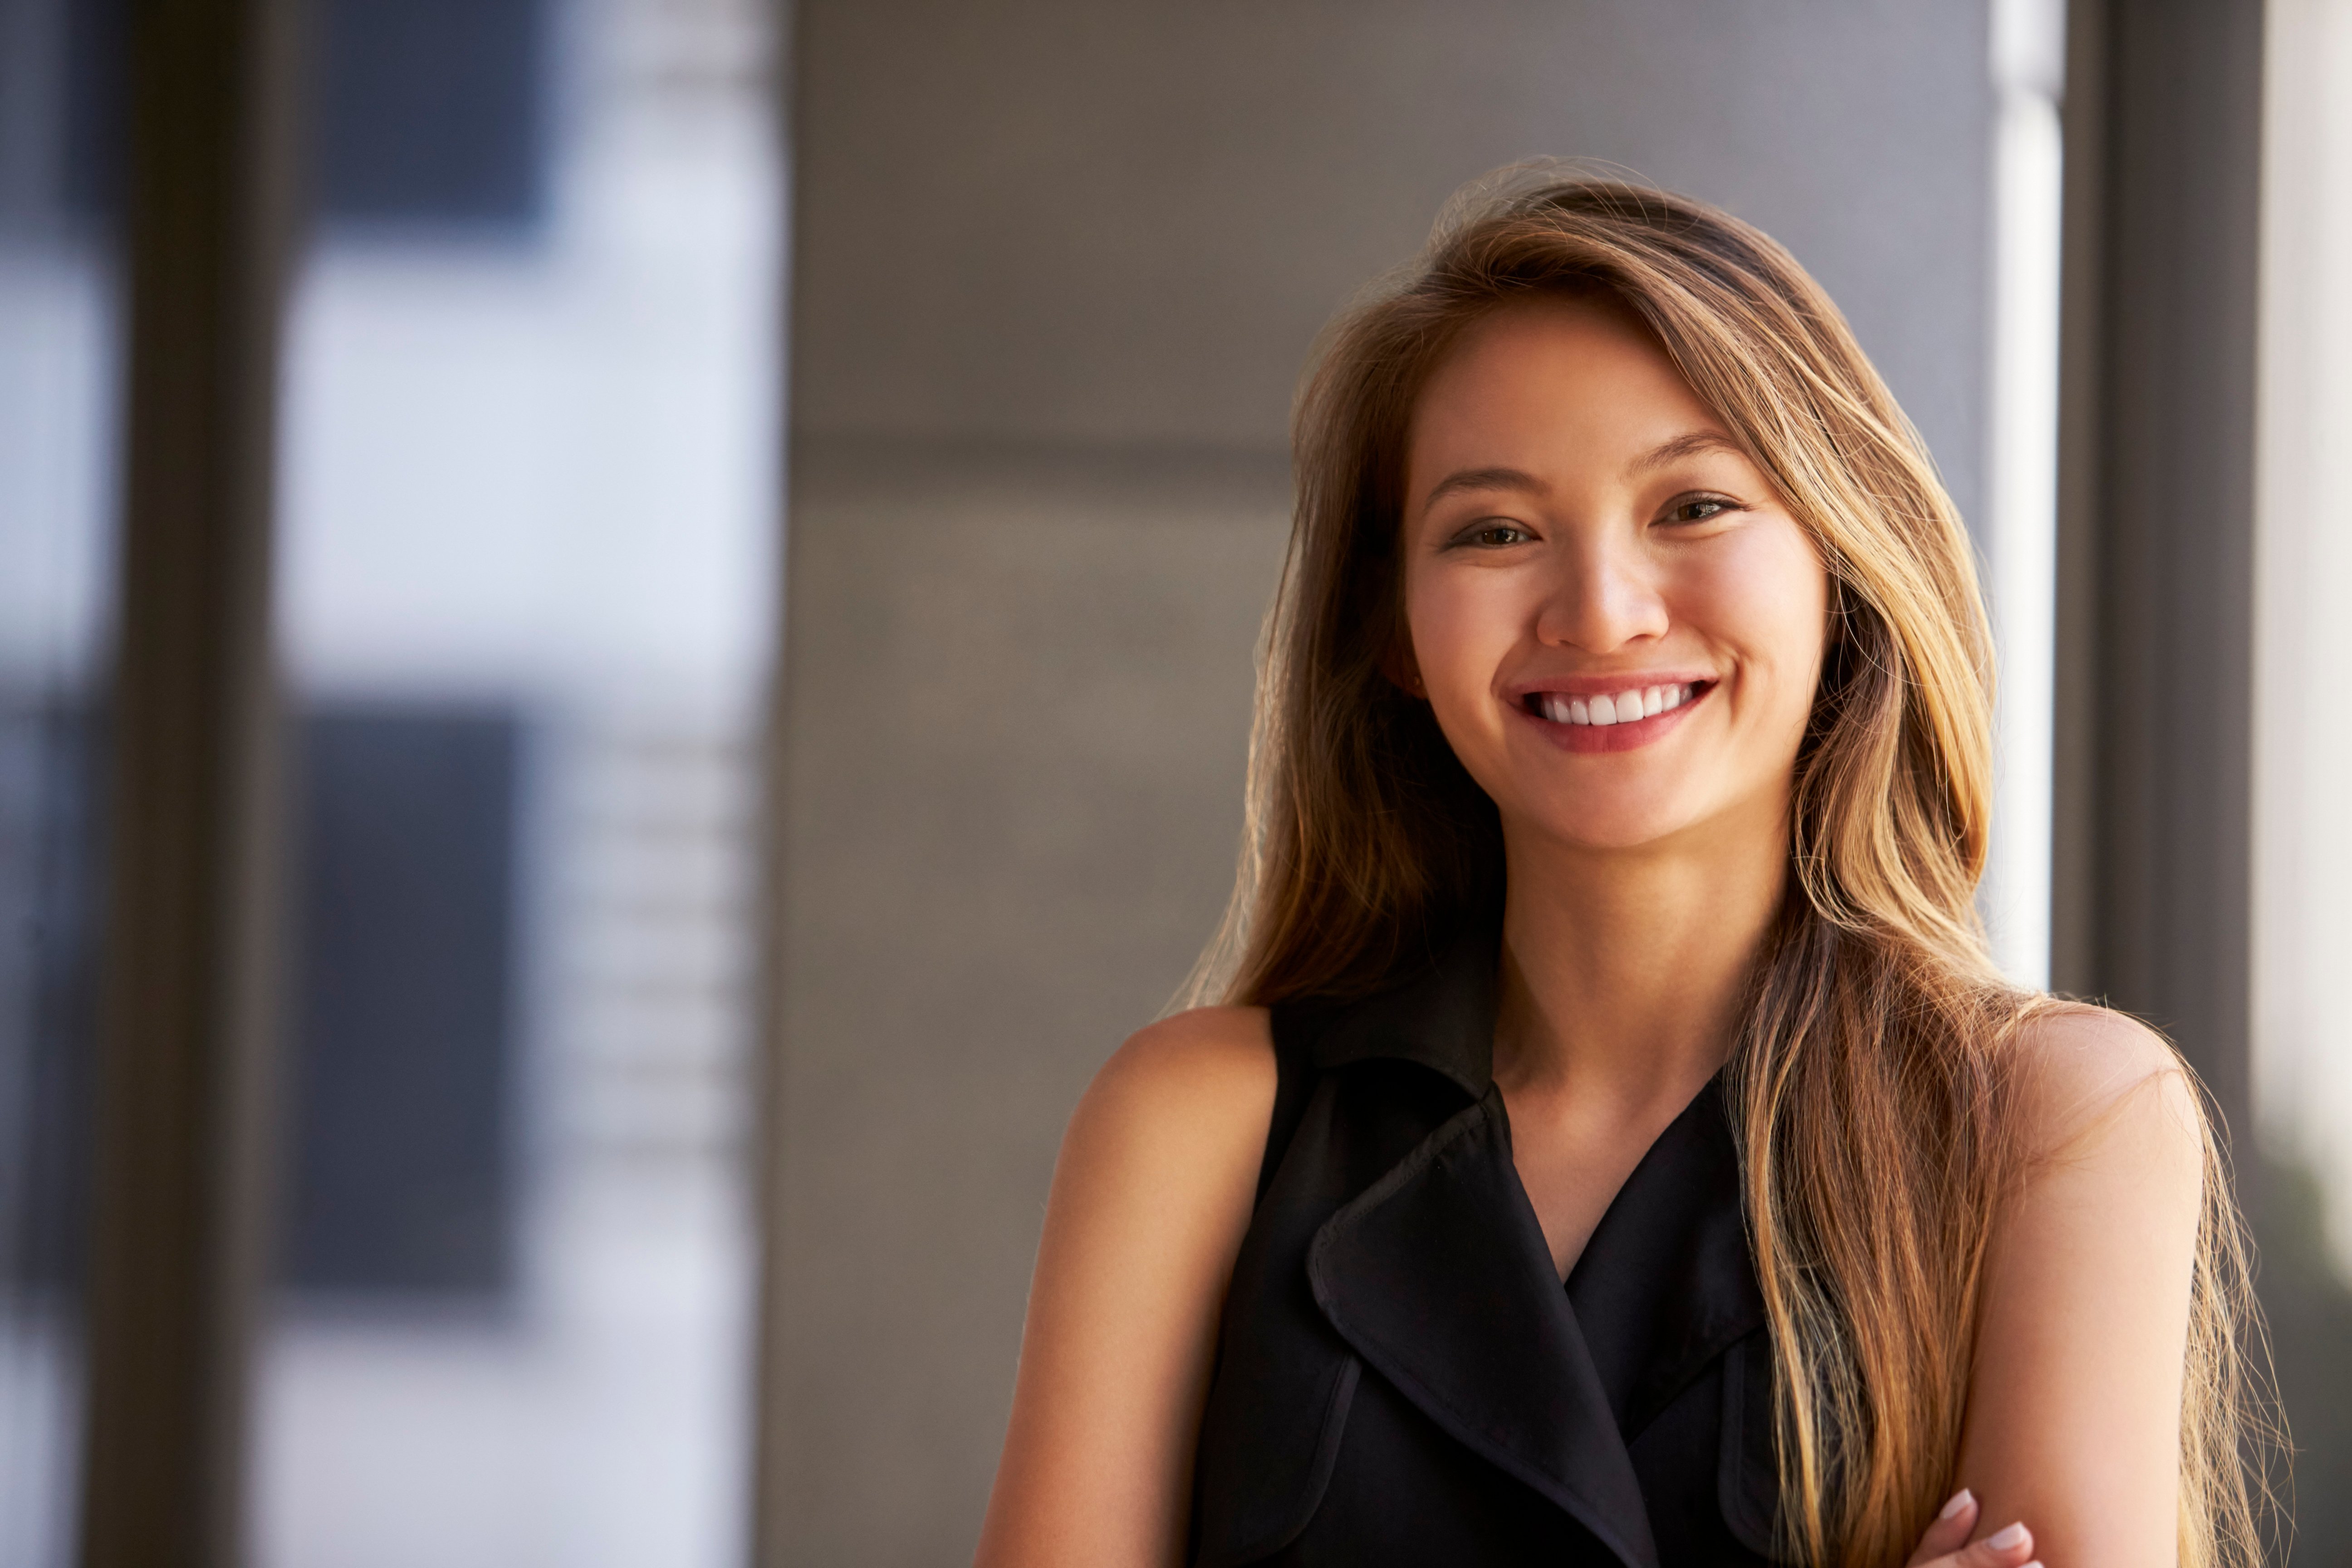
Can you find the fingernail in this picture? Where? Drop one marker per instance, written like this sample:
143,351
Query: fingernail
2014,1536
1960,1500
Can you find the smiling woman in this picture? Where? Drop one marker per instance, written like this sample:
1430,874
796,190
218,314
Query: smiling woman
1675,562
1617,1145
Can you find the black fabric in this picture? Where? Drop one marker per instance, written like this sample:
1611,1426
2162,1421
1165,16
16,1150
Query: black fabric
1402,1377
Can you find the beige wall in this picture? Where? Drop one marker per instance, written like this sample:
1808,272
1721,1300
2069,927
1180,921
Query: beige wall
1019,693
1057,267
1063,221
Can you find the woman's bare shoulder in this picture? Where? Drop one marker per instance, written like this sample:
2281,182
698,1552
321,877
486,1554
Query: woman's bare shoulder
1151,1198
2074,1395
2086,1079
1166,1144
1202,1076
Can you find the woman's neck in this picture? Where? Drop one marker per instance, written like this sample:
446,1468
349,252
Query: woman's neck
1624,971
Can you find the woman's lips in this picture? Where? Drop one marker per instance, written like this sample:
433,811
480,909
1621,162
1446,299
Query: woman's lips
1617,721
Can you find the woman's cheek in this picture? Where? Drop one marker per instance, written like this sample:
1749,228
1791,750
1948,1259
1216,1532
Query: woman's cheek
1767,598
1461,633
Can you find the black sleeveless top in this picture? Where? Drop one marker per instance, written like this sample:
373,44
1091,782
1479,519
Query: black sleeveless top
1401,1377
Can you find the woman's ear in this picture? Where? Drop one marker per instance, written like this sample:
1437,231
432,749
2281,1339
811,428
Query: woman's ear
1402,669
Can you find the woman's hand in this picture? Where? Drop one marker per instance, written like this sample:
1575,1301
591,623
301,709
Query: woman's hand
1946,1544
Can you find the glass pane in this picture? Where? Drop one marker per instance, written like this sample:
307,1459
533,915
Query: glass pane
2303,917
529,530
58,351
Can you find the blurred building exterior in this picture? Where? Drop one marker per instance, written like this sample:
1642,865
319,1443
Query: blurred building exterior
525,613
59,340
528,527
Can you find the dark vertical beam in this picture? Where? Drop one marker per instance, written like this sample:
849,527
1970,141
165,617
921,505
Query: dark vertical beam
182,1115
2153,869
2074,748
772,1531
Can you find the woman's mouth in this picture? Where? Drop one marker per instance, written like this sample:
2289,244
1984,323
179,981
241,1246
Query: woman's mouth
1614,721
1625,707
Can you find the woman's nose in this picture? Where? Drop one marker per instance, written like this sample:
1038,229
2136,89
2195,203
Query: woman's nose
1601,598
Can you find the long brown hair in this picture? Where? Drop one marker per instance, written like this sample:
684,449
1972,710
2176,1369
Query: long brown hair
1869,1081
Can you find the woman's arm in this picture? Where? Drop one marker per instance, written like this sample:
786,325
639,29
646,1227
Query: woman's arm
1151,1196
2073,1410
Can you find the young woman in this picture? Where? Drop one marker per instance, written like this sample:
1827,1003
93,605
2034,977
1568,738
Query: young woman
1617,1147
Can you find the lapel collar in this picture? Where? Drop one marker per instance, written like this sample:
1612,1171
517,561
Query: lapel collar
1666,1285
1439,1276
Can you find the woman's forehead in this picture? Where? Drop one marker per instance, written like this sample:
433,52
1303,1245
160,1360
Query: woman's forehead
1551,385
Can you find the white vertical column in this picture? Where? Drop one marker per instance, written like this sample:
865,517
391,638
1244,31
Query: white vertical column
2028,65
2301,1025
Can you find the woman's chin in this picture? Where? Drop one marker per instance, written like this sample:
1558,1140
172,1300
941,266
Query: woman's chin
1599,828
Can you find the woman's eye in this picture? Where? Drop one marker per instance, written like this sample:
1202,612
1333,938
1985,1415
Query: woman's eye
1698,509
1493,534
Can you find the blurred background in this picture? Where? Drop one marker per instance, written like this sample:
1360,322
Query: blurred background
558,894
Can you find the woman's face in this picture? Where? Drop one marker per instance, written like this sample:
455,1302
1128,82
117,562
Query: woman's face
1579,527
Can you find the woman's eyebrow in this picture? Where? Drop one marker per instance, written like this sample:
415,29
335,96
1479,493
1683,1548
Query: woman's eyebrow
1484,479
1688,445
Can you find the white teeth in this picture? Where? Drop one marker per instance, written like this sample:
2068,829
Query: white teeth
1622,709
